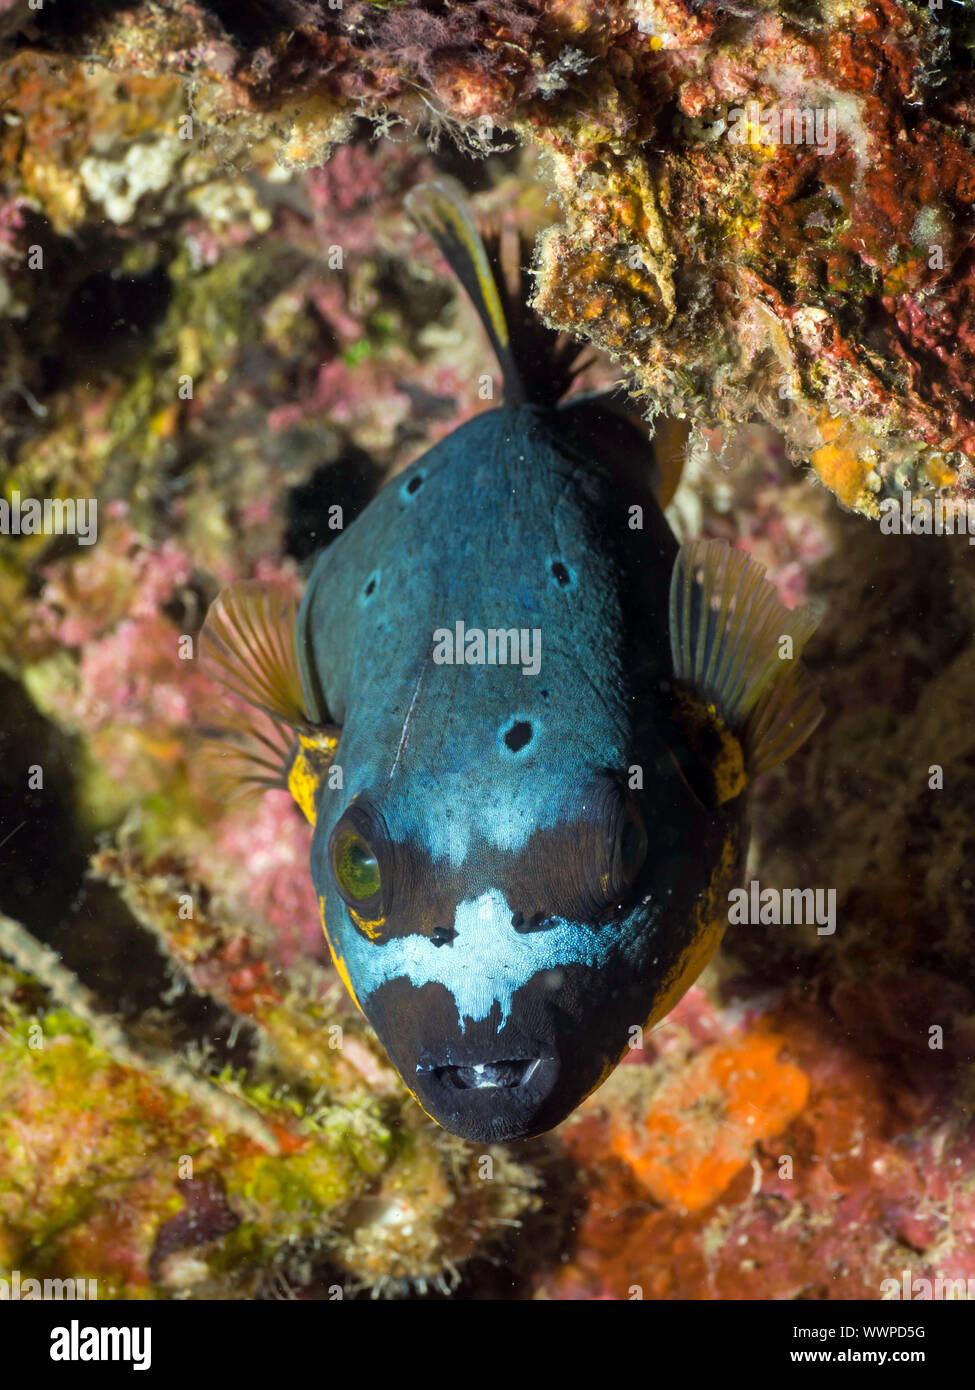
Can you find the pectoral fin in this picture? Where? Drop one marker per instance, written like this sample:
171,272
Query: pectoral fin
247,644
737,648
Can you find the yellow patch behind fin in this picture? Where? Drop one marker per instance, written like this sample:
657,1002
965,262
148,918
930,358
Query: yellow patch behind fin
312,760
737,647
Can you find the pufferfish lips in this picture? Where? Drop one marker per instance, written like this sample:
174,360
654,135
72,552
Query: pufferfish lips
480,985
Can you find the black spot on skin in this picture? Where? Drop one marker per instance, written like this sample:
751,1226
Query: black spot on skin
370,588
518,735
544,694
560,574
415,483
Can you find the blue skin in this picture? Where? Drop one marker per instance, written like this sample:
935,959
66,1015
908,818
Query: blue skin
449,982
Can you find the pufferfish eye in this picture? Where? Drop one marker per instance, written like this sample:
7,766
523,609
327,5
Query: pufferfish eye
611,853
356,867
632,846
630,850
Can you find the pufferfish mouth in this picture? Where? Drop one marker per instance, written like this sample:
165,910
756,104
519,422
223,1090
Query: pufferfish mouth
492,1096
481,1075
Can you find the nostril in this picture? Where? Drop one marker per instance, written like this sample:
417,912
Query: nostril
536,922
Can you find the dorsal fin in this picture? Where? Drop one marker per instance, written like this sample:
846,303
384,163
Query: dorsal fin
537,363
727,626
444,216
247,644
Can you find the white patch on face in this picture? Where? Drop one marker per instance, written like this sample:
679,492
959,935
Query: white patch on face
486,962
448,828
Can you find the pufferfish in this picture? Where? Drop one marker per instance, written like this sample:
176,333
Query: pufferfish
523,723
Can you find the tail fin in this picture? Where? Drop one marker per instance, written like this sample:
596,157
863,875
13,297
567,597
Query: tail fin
537,364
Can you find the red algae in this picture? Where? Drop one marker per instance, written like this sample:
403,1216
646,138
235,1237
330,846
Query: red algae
849,1173
703,1122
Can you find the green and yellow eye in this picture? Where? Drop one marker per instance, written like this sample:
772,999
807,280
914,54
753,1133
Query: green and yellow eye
355,866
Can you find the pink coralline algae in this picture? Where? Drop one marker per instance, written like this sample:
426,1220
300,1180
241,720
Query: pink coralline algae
129,675
128,580
138,693
258,862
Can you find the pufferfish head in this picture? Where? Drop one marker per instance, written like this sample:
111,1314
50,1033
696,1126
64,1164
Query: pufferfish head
508,937
506,979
